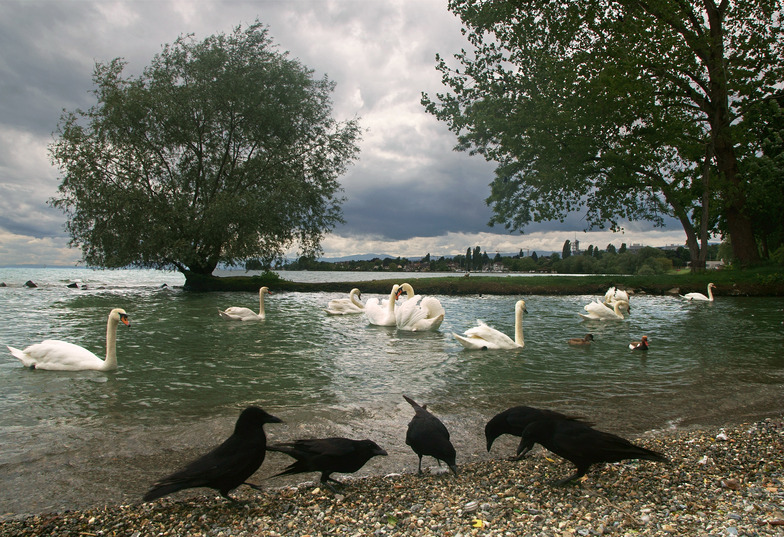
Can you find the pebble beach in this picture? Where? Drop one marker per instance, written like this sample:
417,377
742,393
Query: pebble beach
720,482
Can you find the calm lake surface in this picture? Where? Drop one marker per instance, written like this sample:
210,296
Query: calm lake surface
75,439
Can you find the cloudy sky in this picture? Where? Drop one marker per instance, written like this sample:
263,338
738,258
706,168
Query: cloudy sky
409,194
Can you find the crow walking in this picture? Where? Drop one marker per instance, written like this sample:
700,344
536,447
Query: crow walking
227,466
583,445
514,420
327,455
428,436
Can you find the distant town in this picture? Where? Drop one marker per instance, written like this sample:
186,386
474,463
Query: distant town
632,259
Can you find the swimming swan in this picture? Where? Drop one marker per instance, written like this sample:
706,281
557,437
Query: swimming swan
235,313
418,317
599,312
382,314
346,306
56,355
700,296
486,337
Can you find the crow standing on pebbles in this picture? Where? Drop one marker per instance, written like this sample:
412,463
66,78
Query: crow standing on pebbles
227,466
327,455
428,436
583,445
514,420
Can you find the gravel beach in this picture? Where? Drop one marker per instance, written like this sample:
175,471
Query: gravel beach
720,481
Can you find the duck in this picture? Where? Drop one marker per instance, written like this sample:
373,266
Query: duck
484,337
700,296
56,355
235,313
599,312
416,316
346,306
581,340
641,345
382,313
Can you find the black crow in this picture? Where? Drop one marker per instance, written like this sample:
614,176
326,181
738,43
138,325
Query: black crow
583,445
327,455
428,436
227,466
514,420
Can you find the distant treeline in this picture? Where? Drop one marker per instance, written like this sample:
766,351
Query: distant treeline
640,260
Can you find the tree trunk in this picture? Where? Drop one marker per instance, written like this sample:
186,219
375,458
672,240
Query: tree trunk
744,246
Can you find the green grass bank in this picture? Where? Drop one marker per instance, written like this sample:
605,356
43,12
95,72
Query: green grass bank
762,281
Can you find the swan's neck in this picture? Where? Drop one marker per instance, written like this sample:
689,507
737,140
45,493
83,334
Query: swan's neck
391,305
355,300
408,290
111,345
261,304
519,327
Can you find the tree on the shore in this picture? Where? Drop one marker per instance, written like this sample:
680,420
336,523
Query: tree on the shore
220,151
628,109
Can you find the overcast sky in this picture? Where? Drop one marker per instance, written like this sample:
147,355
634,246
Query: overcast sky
409,193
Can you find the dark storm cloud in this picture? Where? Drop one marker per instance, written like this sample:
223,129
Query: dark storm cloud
408,182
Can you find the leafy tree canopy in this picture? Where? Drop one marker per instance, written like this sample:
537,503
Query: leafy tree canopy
625,109
220,151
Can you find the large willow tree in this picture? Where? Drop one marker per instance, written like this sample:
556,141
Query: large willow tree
221,151
625,109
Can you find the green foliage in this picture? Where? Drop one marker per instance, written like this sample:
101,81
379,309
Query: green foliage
625,110
221,151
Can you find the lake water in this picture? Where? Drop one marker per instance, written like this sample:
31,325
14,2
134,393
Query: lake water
75,439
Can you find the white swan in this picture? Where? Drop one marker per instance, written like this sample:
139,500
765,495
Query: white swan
383,313
700,296
418,317
614,294
346,306
486,337
599,312
56,355
235,313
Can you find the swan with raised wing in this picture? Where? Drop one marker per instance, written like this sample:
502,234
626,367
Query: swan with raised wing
614,294
484,337
236,313
347,306
700,296
382,313
56,355
599,312
417,316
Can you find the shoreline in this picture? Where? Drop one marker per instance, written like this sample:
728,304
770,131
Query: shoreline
720,480
748,284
